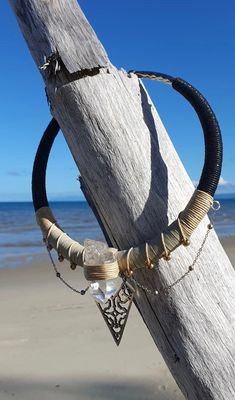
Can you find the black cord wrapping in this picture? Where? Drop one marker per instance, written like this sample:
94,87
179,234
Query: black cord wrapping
212,136
40,165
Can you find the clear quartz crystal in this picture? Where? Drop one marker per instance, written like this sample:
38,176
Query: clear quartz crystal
98,253
102,291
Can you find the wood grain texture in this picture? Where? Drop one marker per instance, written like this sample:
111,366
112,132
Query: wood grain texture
59,26
138,185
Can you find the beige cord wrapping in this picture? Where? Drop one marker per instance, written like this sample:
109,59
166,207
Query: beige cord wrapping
49,231
184,240
173,236
196,209
166,253
128,271
58,241
56,238
148,263
72,250
101,272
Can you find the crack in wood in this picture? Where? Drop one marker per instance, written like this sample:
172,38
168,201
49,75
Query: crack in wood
55,70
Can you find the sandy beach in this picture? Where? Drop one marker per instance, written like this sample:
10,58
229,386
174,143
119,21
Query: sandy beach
55,345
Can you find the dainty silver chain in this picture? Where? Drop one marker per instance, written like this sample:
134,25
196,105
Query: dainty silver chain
215,207
58,275
167,288
132,278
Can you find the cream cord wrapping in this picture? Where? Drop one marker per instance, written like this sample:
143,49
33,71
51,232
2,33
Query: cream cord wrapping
171,238
71,250
161,246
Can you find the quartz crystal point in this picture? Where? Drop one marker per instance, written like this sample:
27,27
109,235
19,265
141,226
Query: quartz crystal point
101,291
98,253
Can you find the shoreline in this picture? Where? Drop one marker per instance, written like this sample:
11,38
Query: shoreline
39,260
55,345
228,241
13,261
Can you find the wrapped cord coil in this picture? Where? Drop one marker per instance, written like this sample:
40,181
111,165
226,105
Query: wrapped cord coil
212,136
40,165
190,217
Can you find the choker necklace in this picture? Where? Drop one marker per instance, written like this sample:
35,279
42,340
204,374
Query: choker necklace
102,265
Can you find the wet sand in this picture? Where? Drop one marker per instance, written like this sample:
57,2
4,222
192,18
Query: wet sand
55,345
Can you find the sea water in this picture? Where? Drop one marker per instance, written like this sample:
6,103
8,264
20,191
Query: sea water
21,239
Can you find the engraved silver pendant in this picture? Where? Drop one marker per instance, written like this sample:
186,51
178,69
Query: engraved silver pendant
116,310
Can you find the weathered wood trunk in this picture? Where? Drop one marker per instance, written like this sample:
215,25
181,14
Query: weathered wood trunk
138,186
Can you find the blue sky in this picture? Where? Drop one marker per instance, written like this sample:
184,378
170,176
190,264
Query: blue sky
193,40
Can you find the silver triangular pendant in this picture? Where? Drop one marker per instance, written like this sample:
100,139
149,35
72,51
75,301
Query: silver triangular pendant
115,312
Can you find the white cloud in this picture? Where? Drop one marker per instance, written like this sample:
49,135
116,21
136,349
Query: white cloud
223,186
222,181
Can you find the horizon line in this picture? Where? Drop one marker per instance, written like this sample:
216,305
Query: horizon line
221,195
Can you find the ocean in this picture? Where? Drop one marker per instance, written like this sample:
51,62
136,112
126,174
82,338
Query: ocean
21,239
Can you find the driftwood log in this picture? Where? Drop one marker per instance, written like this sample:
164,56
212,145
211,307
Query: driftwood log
138,185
